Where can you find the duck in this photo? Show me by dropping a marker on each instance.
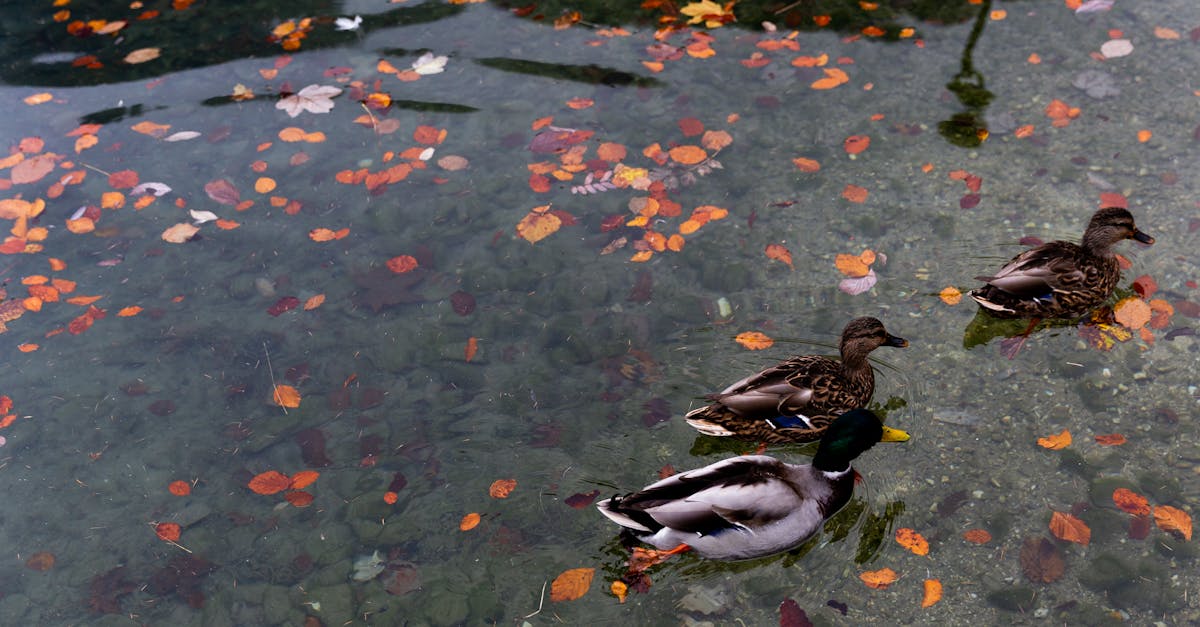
(751, 505)
(797, 399)
(1061, 279)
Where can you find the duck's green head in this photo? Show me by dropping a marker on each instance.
(849, 435)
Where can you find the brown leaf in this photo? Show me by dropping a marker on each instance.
(223, 192)
(1129, 501)
(1171, 519)
(571, 584)
(1041, 561)
(879, 579)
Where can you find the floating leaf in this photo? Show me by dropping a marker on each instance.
(429, 63)
(1110, 439)
(1067, 527)
(40, 561)
(933, 592)
(779, 252)
(688, 155)
(855, 144)
(286, 396)
(501, 488)
(1115, 48)
(179, 488)
(619, 589)
(538, 224)
(879, 579)
(1132, 312)
(913, 541)
(313, 98)
(977, 536)
(950, 295)
(402, 264)
(168, 531)
(855, 194)
(270, 482)
(469, 522)
(571, 584)
(1175, 520)
(142, 55)
(298, 498)
(580, 500)
(754, 340)
(1129, 501)
(807, 165)
(180, 233)
(1041, 560)
(303, 479)
(223, 192)
(833, 78)
(855, 266)
(181, 136)
(471, 349)
(1056, 442)
(858, 285)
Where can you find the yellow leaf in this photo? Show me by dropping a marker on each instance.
(851, 265)
(38, 98)
(619, 590)
(538, 224)
(950, 295)
(142, 55)
(178, 233)
(1056, 442)
(571, 584)
(286, 396)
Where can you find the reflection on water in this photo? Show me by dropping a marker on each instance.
(133, 362)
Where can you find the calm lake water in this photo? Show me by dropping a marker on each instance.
(565, 364)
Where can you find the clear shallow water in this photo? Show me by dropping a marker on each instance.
(585, 362)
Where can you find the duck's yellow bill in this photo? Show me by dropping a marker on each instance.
(893, 435)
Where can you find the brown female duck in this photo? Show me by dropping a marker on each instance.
(1061, 279)
(794, 401)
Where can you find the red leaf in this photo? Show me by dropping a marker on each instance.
(284, 304)
(581, 500)
(791, 615)
(223, 192)
(123, 179)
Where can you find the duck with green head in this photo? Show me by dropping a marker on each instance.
(752, 505)
(795, 400)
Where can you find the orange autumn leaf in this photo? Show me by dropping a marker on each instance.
(303, 479)
(83, 300)
(1056, 442)
(322, 234)
(879, 579)
(779, 252)
(1132, 312)
(390, 497)
(146, 127)
(264, 184)
(402, 263)
(179, 488)
(1067, 527)
(168, 531)
(571, 584)
(292, 134)
(1144, 136)
(27, 348)
(1131, 502)
(501, 488)
(754, 340)
(619, 589)
(1110, 439)
(63, 286)
(471, 349)
(1174, 520)
(40, 561)
(286, 396)
(833, 78)
(855, 144)
(855, 194)
(429, 135)
(950, 295)
(913, 541)
(854, 266)
(933, 592)
(580, 103)
(675, 242)
(313, 302)
(469, 522)
(977, 536)
(270, 482)
(806, 165)
(716, 139)
(1024, 131)
(688, 155)
(611, 152)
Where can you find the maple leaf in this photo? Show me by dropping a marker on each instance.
(428, 63)
(314, 99)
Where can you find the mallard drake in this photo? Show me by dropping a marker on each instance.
(794, 401)
(1061, 279)
(752, 505)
